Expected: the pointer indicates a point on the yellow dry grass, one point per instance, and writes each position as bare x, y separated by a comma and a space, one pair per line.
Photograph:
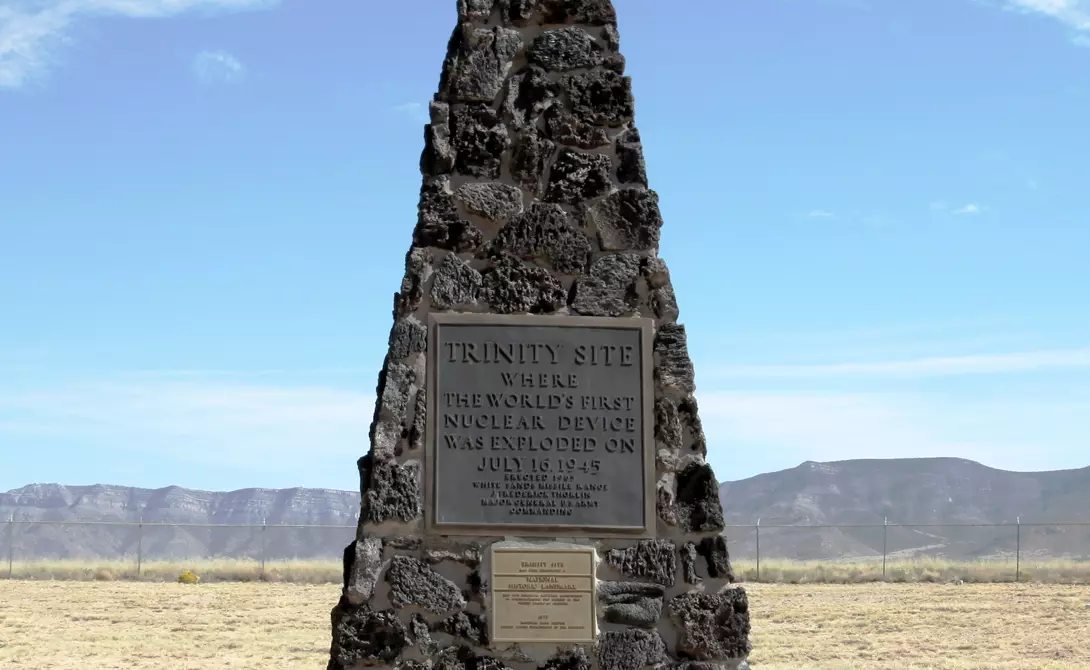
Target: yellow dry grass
1060, 571
59, 625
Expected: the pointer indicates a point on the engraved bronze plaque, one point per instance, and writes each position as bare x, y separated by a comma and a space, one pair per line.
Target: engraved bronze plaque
543, 595
540, 425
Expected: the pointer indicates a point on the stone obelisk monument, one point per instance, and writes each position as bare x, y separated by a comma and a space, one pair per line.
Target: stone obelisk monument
536, 494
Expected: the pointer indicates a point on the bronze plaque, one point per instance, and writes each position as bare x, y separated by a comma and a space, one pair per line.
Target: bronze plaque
543, 595
540, 425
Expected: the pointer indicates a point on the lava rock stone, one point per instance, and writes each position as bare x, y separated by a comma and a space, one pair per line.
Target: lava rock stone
494, 201
396, 382
438, 223
673, 367
417, 271
474, 10
568, 659
420, 417
712, 627
477, 62
414, 584
631, 603
529, 157
648, 559
590, 12
631, 167
464, 658
468, 626
365, 571
717, 558
408, 336
627, 220
518, 12
614, 63
610, 287
545, 232
576, 177
479, 138
698, 499
612, 37
629, 649
438, 156
564, 49
668, 432
363, 636
393, 493
512, 287
529, 93
568, 130
454, 283
688, 564
601, 97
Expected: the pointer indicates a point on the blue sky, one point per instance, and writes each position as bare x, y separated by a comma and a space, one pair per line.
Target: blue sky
876, 220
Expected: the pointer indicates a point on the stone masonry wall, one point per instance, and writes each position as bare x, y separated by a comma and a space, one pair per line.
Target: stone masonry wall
535, 200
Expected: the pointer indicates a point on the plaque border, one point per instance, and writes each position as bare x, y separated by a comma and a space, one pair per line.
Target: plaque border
643, 325
543, 550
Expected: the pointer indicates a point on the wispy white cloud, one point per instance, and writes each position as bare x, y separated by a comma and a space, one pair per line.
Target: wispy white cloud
819, 214
202, 420
217, 67
1075, 13
1027, 361
789, 428
971, 208
33, 32
943, 206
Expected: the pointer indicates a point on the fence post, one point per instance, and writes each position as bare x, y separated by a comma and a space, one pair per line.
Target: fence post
139, 546
758, 549
1018, 549
11, 541
264, 525
885, 537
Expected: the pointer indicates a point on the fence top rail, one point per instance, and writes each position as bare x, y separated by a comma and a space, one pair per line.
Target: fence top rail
72, 522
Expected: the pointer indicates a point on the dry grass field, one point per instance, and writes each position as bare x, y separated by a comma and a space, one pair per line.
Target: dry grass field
115, 625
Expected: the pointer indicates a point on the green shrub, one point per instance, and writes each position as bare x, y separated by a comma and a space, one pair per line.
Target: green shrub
188, 577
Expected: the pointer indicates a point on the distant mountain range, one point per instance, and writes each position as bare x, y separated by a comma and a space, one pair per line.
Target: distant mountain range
858, 495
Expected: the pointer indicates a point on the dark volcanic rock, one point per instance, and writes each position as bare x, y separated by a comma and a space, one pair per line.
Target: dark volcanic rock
394, 492
631, 167
674, 368
417, 270
688, 564
545, 232
601, 97
479, 138
529, 93
468, 626
438, 223
648, 559
631, 603
407, 337
420, 416
438, 156
474, 10
667, 424
698, 499
591, 12
478, 62
714, 551
512, 287
630, 649
627, 220
529, 157
568, 130
494, 201
610, 287
564, 49
712, 627
568, 659
576, 177
454, 283
414, 584
366, 637
365, 570
464, 658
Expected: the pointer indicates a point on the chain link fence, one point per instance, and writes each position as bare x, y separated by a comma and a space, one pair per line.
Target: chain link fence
760, 552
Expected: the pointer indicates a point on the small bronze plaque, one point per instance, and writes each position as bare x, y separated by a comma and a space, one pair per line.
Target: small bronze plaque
543, 595
540, 425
